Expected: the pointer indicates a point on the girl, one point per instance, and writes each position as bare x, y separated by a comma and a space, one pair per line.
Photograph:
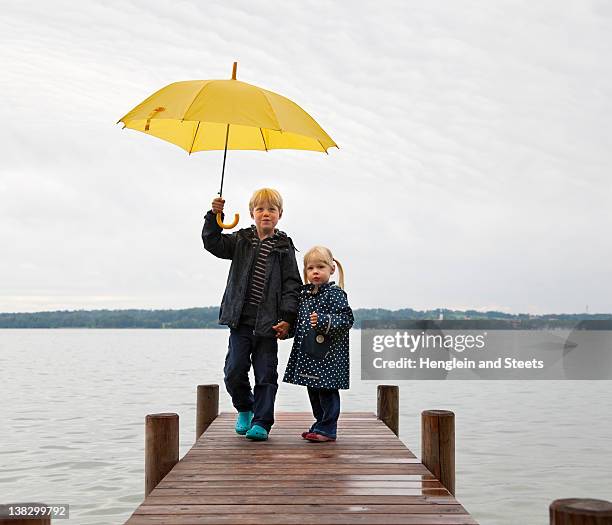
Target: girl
319, 358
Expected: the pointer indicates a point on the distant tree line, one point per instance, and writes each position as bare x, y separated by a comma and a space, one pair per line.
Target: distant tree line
187, 318
208, 318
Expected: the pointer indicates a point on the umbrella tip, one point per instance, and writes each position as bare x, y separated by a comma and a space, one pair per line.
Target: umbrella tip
234, 68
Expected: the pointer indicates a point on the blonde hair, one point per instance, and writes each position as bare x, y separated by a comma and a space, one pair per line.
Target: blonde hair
267, 195
324, 255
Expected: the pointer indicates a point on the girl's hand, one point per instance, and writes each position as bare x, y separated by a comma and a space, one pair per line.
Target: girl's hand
217, 205
313, 319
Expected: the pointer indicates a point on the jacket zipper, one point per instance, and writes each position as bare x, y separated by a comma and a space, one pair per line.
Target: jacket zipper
249, 277
251, 281
244, 290
266, 279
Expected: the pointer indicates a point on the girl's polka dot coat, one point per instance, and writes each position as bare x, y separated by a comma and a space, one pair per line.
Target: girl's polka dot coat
335, 319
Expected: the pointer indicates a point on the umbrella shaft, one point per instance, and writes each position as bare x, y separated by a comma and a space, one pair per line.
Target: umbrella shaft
224, 157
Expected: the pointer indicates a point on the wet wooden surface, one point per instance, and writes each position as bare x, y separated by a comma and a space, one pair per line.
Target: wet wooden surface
366, 477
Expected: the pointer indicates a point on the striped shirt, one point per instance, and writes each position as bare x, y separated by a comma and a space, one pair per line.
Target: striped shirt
258, 274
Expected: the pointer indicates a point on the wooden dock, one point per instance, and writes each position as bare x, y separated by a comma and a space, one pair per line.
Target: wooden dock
368, 476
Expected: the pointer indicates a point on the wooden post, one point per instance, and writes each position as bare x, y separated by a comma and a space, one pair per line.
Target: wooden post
207, 407
387, 408
161, 447
438, 445
30, 520
575, 511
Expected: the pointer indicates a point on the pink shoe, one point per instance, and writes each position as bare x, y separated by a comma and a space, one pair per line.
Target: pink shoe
318, 438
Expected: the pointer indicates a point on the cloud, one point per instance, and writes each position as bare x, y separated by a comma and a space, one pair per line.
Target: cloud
473, 165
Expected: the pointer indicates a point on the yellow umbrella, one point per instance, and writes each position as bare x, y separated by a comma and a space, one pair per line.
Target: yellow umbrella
200, 115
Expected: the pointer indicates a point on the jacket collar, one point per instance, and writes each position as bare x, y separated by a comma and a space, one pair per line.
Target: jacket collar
281, 240
276, 235
308, 288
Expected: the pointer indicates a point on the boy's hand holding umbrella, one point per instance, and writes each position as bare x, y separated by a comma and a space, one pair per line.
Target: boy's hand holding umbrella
217, 205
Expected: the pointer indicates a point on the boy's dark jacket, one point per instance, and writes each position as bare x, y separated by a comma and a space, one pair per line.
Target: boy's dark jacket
283, 281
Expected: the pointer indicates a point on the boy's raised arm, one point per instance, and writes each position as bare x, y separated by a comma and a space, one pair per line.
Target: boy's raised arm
219, 244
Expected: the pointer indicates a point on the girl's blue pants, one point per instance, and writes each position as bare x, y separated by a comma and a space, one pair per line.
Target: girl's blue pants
325, 404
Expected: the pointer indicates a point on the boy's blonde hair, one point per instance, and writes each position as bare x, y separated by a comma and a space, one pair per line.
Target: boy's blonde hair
324, 255
267, 195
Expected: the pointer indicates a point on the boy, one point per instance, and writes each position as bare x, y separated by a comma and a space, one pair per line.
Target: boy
259, 305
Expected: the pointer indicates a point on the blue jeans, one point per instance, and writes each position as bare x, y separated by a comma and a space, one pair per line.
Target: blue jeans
262, 352
325, 405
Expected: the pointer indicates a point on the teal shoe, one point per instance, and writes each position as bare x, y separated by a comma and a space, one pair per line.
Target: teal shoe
257, 433
243, 422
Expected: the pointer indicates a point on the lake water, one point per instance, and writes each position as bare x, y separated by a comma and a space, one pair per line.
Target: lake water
73, 404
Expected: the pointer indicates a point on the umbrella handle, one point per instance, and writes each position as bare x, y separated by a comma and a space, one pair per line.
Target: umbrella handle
228, 226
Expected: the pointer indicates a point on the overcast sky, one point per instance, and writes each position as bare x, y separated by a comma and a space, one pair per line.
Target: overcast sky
474, 168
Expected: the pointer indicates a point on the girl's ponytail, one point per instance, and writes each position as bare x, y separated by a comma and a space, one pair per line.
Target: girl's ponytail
340, 273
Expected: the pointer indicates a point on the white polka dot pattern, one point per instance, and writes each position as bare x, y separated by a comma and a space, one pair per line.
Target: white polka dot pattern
335, 319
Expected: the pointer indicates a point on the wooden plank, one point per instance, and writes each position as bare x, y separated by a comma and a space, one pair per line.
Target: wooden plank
417, 469
353, 459
295, 439
299, 477
301, 519
290, 442
314, 451
400, 466
306, 452
197, 481
194, 488
150, 507
168, 496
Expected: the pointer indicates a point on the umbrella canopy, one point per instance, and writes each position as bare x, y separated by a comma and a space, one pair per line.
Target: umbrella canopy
200, 115
194, 115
